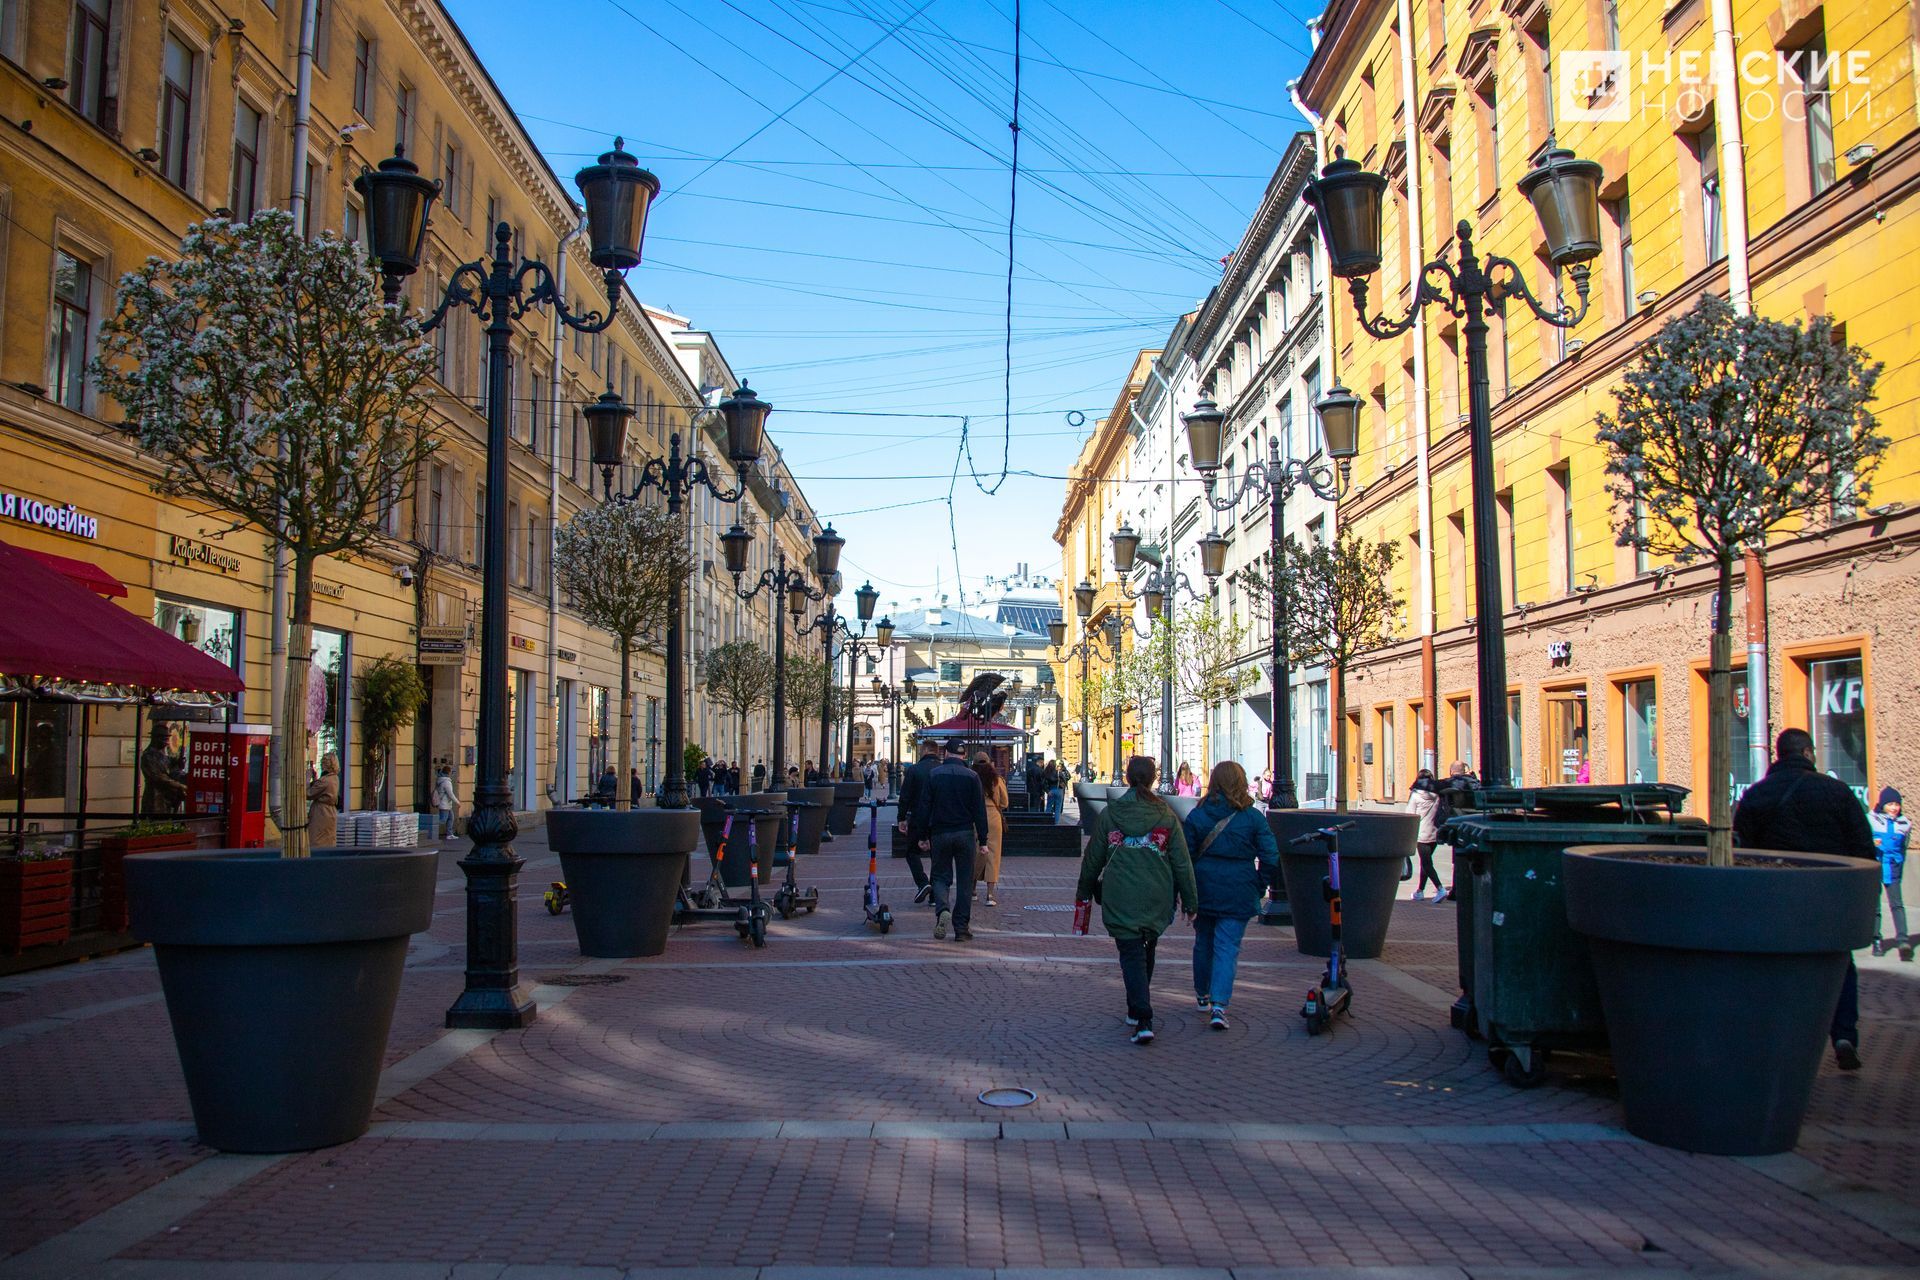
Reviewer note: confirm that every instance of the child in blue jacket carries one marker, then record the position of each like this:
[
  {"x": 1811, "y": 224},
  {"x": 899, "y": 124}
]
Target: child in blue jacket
[{"x": 1891, "y": 833}]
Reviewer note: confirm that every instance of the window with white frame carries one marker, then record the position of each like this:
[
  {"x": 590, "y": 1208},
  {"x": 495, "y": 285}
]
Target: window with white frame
[
  {"x": 70, "y": 329},
  {"x": 178, "y": 63},
  {"x": 89, "y": 87},
  {"x": 403, "y": 115},
  {"x": 243, "y": 197},
  {"x": 362, "y": 76}
]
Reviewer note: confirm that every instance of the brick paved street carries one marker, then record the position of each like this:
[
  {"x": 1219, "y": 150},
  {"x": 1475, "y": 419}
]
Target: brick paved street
[{"x": 810, "y": 1108}]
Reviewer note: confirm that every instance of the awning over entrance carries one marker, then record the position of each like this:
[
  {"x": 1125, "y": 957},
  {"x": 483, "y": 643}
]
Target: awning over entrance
[
  {"x": 85, "y": 574},
  {"x": 971, "y": 729},
  {"x": 61, "y": 641}
]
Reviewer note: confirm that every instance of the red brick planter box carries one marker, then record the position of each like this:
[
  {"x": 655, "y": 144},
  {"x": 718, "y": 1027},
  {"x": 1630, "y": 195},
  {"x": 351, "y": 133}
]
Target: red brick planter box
[
  {"x": 113, "y": 871},
  {"x": 36, "y": 903}
]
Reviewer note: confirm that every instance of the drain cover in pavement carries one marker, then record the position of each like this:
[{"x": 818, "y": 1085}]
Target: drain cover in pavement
[
  {"x": 1009, "y": 1097},
  {"x": 1048, "y": 906},
  {"x": 584, "y": 979}
]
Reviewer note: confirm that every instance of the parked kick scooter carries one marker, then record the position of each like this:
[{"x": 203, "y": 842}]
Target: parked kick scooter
[
  {"x": 557, "y": 897},
  {"x": 788, "y": 899},
  {"x": 1333, "y": 995},
  {"x": 711, "y": 901},
  {"x": 877, "y": 914}
]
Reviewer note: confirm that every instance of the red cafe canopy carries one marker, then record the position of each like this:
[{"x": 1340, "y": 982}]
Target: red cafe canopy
[
  {"x": 55, "y": 634},
  {"x": 965, "y": 726}
]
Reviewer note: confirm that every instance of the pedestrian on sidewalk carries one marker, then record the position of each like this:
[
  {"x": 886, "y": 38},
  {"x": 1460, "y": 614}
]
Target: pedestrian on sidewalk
[
  {"x": 997, "y": 800},
  {"x": 759, "y": 775},
  {"x": 1054, "y": 778},
  {"x": 1234, "y": 857},
  {"x": 1135, "y": 866},
  {"x": 1184, "y": 783},
  {"x": 950, "y": 821},
  {"x": 1891, "y": 835},
  {"x": 444, "y": 800},
  {"x": 323, "y": 803},
  {"x": 1423, "y": 801},
  {"x": 703, "y": 778},
  {"x": 1453, "y": 793},
  {"x": 1798, "y": 809},
  {"x": 913, "y": 792}
]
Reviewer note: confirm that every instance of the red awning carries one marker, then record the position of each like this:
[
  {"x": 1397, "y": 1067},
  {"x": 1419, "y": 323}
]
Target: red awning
[
  {"x": 972, "y": 728},
  {"x": 56, "y": 631},
  {"x": 90, "y": 576}
]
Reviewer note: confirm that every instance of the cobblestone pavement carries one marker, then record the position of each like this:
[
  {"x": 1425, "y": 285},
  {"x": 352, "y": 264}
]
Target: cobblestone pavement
[{"x": 810, "y": 1110}]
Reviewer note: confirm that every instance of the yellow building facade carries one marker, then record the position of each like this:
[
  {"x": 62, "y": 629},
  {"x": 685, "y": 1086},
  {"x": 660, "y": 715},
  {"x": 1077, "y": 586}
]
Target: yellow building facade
[
  {"x": 1607, "y": 651},
  {"x": 127, "y": 121}
]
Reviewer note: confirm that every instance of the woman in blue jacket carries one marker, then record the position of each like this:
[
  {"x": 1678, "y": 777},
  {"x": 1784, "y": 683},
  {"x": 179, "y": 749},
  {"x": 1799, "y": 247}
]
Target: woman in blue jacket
[{"x": 1234, "y": 859}]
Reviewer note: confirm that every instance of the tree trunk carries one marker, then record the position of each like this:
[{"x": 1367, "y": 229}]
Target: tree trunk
[
  {"x": 623, "y": 797},
  {"x": 293, "y": 711},
  {"x": 1719, "y": 721},
  {"x": 741, "y": 755},
  {"x": 1339, "y": 728}
]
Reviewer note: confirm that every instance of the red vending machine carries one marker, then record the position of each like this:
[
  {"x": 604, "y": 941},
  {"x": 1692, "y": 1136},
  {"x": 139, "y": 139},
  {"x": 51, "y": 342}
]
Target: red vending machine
[{"x": 227, "y": 775}]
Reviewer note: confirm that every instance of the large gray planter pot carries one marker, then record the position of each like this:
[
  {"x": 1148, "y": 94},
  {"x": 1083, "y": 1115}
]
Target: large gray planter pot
[
  {"x": 1372, "y": 854},
  {"x": 1718, "y": 983},
  {"x": 767, "y": 835},
  {"x": 1084, "y": 794},
  {"x": 280, "y": 977},
  {"x": 623, "y": 869},
  {"x": 813, "y": 822},
  {"x": 846, "y": 803},
  {"x": 1183, "y": 805}
]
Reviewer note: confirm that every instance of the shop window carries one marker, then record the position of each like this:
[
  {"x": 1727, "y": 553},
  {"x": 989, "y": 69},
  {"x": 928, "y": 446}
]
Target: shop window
[
  {"x": 1640, "y": 724},
  {"x": 37, "y": 759},
  {"x": 328, "y": 695},
  {"x": 1389, "y": 757},
  {"x": 1837, "y": 718},
  {"x": 1566, "y": 758},
  {"x": 1320, "y": 728},
  {"x": 70, "y": 329},
  {"x": 598, "y": 734},
  {"x": 1515, "y": 755},
  {"x": 1460, "y": 712},
  {"x": 210, "y": 629}
]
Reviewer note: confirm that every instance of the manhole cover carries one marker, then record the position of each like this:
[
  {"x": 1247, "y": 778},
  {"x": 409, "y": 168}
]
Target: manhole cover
[
  {"x": 1048, "y": 906},
  {"x": 584, "y": 979},
  {"x": 1014, "y": 1097}
]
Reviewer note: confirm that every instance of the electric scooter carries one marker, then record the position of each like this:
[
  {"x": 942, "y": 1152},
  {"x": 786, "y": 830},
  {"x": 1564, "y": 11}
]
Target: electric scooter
[
  {"x": 877, "y": 913},
  {"x": 712, "y": 902},
  {"x": 1333, "y": 995},
  {"x": 788, "y": 899}
]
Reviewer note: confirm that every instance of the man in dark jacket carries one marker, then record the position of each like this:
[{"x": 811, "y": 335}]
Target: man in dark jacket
[
  {"x": 950, "y": 819},
  {"x": 1798, "y": 809},
  {"x": 703, "y": 777},
  {"x": 913, "y": 791}
]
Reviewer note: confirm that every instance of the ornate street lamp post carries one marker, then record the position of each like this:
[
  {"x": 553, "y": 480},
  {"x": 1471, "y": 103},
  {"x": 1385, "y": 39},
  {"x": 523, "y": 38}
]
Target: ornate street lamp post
[
  {"x": 830, "y": 624},
  {"x": 1277, "y": 477},
  {"x": 791, "y": 586},
  {"x": 1090, "y": 644},
  {"x": 1565, "y": 194},
  {"x": 678, "y": 478},
  {"x": 398, "y": 200},
  {"x": 1158, "y": 592}
]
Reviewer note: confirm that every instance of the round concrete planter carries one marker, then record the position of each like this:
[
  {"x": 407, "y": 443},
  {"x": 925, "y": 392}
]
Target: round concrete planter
[
  {"x": 1183, "y": 805},
  {"x": 623, "y": 869},
  {"x": 846, "y": 803},
  {"x": 1084, "y": 794},
  {"x": 1115, "y": 790},
  {"x": 1718, "y": 983},
  {"x": 813, "y": 822},
  {"x": 766, "y": 836},
  {"x": 280, "y": 977},
  {"x": 1372, "y": 853}
]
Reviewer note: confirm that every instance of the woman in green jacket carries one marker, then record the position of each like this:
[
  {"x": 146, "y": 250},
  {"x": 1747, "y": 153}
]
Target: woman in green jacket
[{"x": 1137, "y": 860}]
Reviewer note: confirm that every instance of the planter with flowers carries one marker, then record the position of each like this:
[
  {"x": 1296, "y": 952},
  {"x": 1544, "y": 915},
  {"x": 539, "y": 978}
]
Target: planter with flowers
[{"x": 36, "y": 899}]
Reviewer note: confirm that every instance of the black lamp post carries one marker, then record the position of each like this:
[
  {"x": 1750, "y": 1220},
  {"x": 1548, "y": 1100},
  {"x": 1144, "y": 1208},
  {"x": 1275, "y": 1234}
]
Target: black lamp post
[
  {"x": 1087, "y": 647},
  {"x": 677, "y": 477},
  {"x": 788, "y": 586},
  {"x": 864, "y": 601},
  {"x": 1565, "y": 194},
  {"x": 1158, "y": 593},
  {"x": 398, "y": 200},
  {"x": 1277, "y": 477}
]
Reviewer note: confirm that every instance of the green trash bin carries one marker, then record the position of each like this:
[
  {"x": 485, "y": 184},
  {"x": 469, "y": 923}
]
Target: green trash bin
[{"x": 1524, "y": 970}]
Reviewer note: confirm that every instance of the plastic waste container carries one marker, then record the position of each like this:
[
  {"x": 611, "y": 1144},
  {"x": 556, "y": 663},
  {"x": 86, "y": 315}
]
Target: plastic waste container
[{"x": 1524, "y": 970}]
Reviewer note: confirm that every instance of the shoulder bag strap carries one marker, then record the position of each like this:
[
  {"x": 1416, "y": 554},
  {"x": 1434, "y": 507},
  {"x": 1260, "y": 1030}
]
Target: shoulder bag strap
[{"x": 1218, "y": 827}]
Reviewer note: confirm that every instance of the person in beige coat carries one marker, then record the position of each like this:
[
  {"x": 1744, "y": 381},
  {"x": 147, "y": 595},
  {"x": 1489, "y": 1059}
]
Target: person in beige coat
[
  {"x": 988, "y": 871},
  {"x": 323, "y": 804}
]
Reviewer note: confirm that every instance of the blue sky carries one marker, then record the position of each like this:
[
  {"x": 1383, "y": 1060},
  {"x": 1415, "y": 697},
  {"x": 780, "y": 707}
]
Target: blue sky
[{"x": 834, "y": 208}]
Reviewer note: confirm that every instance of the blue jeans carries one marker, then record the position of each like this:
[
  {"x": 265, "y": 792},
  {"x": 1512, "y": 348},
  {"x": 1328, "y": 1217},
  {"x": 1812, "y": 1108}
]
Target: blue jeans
[
  {"x": 446, "y": 824},
  {"x": 1056, "y": 800},
  {"x": 1216, "y": 954}
]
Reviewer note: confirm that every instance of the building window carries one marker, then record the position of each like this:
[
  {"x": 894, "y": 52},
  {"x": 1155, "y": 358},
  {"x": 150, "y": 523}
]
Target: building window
[
  {"x": 1620, "y": 213},
  {"x": 1641, "y": 560},
  {"x": 1610, "y": 24},
  {"x": 1515, "y": 756},
  {"x": 1812, "y": 66},
  {"x": 1560, "y": 491},
  {"x": 1486, "y": 119},
  {"x": 70, "y": 329},
  {"x": 480, "y": 524},
  {"x": 1706, "y": 147},
  {"x": 436, "y": 507},
  {"x": 1315, "y": 444},
  {"x": 245, "y": 196},
  {"x": 362, "y": 77},
  {"x": 403, "y": 116},
  {"x": 1503, "y": 517},
  {"x": 87, "y": 67},
  {"x": 10, "y": 29},
  {"x": 1837, "y": 718},
  {"x": 313, "y": 200},
  {"x": 176, "y": 111},
  {"x": 353, "y": 225},
  {"x": 1641, "y": 725},
  {"x": 450, "y": 179},
  {"x": 1463, "y": 739}
]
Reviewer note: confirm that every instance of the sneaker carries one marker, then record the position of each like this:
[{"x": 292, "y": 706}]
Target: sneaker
[
  {"x": 941, "y": 922},
  {"x": 1143, "y": 1034},
  {"x": 963, "y": 935},
  {"x": 992, "y": 901},
  {"x": 1219, "y": 1020},
  {"x": 1845, "y": 1056},
  {"x": 925, "y": 895},
  {"x": 1879, "y": 948},
  {"x": 1906, "y": 952},
  {"x": 1205, "y": 1002},
  {"x": 1439, "y": 899},
  {"x": 1131, "y": 1021},
  {"x": 1419, "y": 895}
]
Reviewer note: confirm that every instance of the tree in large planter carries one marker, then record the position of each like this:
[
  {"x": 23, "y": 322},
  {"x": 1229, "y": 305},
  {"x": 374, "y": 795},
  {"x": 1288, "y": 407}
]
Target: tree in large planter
[
  {"x": 620, "y": 563},
  {"x": 265, "y": 378},
  {"x": 739, "y": 676},
  {"x": 1727, "y": 428},
  {"x": 1342, "y": 606},
  {"x": 391, "y": 695},
  {"x": 812, "y": 693}
]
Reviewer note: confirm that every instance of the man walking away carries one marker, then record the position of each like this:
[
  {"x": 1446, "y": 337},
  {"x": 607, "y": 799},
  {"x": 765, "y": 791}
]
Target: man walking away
[
  {"x": 704, "y": 776},
  {"x": 950, "y": 818},
  {"x": 1031, "y": 776},
  {"x": 913, "y": 793},
  {"x": 1798, "y": 809},
  {"x": 1055, "y": 781},
  {"x": 1891, "y": 834}
]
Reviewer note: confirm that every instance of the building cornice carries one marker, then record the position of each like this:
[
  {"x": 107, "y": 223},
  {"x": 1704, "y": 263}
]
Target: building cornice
[
  {"x": 1345, "y": 28},
  {"x": 1283, "y": 191}
]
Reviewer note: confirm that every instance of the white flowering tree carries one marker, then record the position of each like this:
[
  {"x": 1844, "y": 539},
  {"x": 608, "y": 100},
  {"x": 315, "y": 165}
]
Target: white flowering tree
[
  {"x": 739, "y": 676},
  {"x": 1726, "y": 428},
  {"x": 265, "y": 377},
  {"x": 621, "y": 562}
]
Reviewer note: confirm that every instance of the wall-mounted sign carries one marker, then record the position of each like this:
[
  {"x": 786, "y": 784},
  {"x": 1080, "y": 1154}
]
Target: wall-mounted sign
[
  {"x": 1559, "y": 651},
  {"x": 193, "y": 552},
  {"x": 566, "y": 655},
  {"x": 49, "y": 515},
  {"x": 331, "y": 590},
  {"x": 523, "y": 643},
  {"x": 442, "y": 646}
]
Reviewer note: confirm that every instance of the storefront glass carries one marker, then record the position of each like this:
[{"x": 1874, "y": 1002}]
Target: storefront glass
[
  {"x": 1837, "y": 714},
  {"x": 1516, "y": 756},
  {"x": 1642, "y": 731},
  {"x": 1565, "y": 728},
  {"x": 214, "y": 631},
  {"x": 598, "y": 744},
  {"x": 519, "y": 739},
  {"x": 328, "y": 694},
  {"x": 37, "y": 760},
  {"x": 1319, "y": 733},
  {"x": 1463, "y": 740}
]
